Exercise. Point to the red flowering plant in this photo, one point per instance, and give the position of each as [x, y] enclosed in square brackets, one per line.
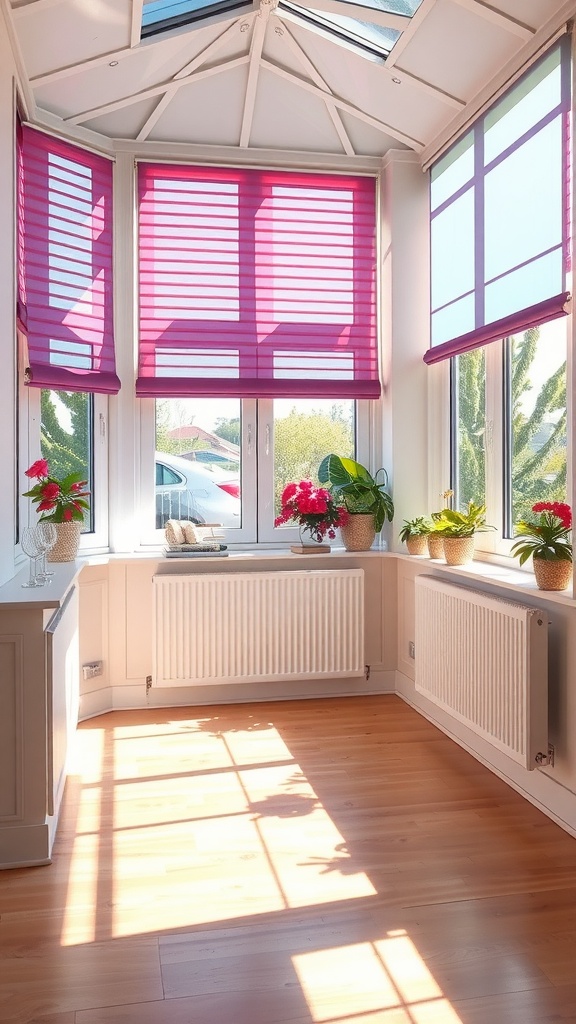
[312, 507]
[59, 501]
[547, 536]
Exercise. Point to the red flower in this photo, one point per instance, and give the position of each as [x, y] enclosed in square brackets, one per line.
[556, 508]
[45, 506]
[67, 515]
[37, 469]
[50, 491]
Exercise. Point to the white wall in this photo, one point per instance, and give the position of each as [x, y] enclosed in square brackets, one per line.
[10, 486]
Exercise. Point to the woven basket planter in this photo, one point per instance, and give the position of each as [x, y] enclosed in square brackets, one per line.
[435, 545]
[66, 546]
[458, 550]
[358, 534]
[552, 575]
[417, 545]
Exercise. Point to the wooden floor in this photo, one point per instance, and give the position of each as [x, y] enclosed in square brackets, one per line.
[315, 862]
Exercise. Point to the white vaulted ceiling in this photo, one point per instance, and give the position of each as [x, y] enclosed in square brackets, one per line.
[257, 79]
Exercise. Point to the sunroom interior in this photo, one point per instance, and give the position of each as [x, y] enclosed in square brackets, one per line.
[454, 118]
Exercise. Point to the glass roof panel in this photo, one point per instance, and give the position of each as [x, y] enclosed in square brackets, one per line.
[406, 7]
[372, 39]
[164, 14]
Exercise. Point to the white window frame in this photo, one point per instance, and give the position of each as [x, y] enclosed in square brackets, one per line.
[257, 462]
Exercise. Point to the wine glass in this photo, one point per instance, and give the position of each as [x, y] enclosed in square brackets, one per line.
[46, 536]
[30, 547]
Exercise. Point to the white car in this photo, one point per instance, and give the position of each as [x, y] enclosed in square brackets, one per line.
[186, 490]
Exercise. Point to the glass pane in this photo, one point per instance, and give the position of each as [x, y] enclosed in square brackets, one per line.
[538, 416]
[453, 320]
[523, 107]
[198, 461]
[304, 432]
[522, 288]
[405, 7]
[452, 246]
[452, 172]
[469, 417]
[66, 439]
[376, 36]
[523, 204]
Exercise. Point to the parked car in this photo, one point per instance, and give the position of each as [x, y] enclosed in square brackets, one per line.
[186, 490]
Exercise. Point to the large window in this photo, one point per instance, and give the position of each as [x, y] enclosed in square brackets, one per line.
[227, 461]
[509, 427]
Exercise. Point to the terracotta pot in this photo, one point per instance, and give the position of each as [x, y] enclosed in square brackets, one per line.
[458, 550]
[554, 575]
[66, 546]
[417, 545]
[359, 532]
[435, 545]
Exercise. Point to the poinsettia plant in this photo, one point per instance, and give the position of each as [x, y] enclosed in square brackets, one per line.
[547, 535]
[59, 501]
[311, 506]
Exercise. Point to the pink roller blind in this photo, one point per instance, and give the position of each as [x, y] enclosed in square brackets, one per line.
[65, 264]
[256, 283]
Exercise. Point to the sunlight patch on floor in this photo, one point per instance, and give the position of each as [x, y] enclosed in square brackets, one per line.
[386, 982]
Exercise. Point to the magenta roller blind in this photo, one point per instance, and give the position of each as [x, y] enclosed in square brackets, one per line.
[256, 283]
[65, 264]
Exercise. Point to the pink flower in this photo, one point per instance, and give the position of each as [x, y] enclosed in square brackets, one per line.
[37, 469]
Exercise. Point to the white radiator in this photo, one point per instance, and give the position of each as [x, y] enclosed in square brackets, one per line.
[485, 661]
[257, 626]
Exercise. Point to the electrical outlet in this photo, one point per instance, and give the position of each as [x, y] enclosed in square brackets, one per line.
[91, 669]
[411, 649]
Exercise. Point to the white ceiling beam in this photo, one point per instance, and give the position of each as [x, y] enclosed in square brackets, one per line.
[79, 67]
[400, 22]
[239, 25]
[156, 90]
[429, 89]
[156, 114]
[505, 21]
[256, 46]
[136, 22]
[344, 105]
[32, 6]
[415, 23]
[312, 71]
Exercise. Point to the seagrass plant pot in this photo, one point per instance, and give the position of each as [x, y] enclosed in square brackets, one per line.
[552, 575]
[417, 545]
[458, 550]
[435, 545]
[67, 542]
[359, 532]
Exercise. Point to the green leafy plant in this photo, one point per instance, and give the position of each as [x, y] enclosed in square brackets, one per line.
[359, 491]
[419, 527]
[452, 523]
[547, 536]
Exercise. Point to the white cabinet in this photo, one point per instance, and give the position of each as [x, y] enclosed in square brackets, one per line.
[39, 669]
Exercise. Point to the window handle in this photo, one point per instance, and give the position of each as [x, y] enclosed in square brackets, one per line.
[249, 438]
[267, 439]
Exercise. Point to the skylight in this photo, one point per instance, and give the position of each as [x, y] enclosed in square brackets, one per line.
[373, 37]
[161, 15]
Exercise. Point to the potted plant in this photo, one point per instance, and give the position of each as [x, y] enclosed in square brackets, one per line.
[414, 534]
[547, 539]
[314, 509]
[457, 530]
[365, 497]
[62, 502]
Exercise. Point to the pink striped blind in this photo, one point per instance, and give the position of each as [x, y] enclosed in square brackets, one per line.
[65, 264]
[256, 283]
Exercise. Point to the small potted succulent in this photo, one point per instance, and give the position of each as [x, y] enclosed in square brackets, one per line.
[457, 530]
[546, 538]
[414, 534]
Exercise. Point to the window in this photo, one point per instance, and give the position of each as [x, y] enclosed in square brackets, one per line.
[258, 338]
[228, 461]
[509, 427]
[500, 261]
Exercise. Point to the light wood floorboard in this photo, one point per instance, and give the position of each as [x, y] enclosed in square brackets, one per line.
[333, 861]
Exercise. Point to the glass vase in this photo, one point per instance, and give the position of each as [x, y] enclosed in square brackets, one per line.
[310, 537]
